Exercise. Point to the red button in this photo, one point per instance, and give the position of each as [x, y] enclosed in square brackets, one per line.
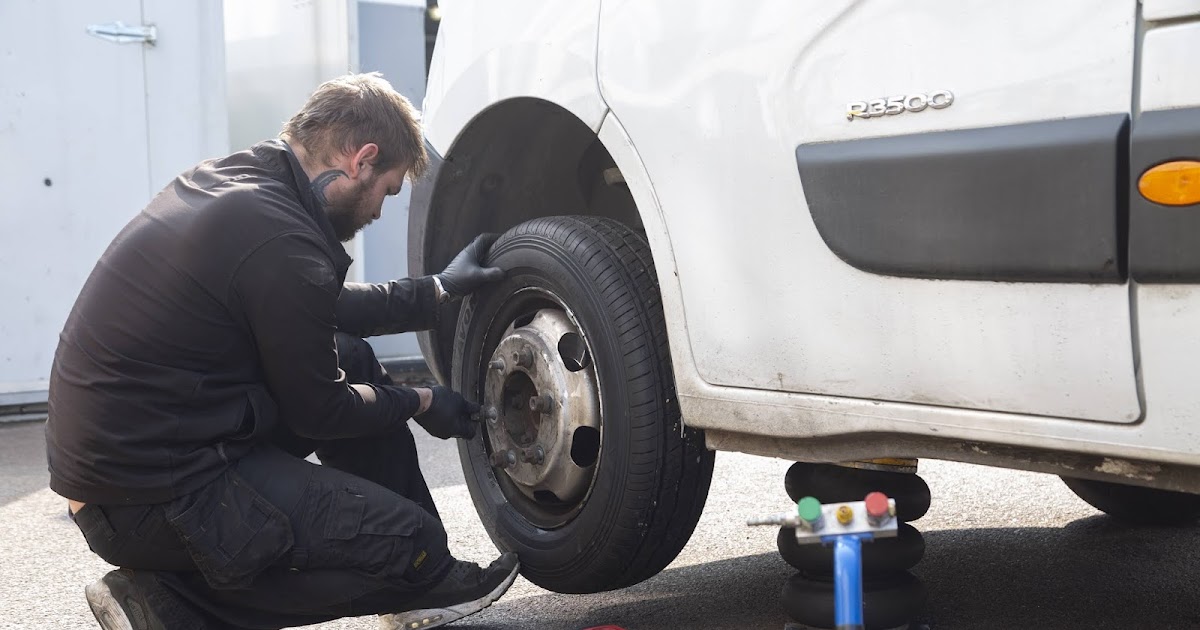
[877, 505]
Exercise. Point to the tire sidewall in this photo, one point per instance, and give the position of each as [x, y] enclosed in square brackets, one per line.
[535, 260]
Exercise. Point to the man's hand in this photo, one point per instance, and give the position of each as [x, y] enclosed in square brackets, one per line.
[448, 415]
[466, 273]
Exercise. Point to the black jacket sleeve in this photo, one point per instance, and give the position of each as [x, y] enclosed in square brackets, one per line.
[287, 290]
[398, 306]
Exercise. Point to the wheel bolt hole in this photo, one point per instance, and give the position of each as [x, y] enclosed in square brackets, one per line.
[573, 352]
[585, 446]
[524, 320]
[545, 497]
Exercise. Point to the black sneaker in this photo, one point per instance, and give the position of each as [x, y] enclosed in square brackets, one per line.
[120, 604]
[466, 590]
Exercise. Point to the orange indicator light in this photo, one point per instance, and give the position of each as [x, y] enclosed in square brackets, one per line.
[1172, 184]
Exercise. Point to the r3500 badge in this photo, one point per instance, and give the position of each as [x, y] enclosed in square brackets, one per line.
[893, 105]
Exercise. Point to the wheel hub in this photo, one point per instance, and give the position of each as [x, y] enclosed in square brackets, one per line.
[543, 409]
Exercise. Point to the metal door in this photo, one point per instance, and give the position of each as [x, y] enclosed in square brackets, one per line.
[91, 125]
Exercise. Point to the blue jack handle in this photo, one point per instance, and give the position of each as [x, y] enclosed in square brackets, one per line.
[847, 581]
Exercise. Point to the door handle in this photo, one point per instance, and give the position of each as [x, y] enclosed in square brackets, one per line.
[120, 33]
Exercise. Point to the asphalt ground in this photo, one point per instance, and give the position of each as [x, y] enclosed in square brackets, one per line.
[1005, 550]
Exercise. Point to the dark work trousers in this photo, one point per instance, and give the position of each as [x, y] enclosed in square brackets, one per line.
[357, 535]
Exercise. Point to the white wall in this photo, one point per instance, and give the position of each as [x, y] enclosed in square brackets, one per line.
[89, 130]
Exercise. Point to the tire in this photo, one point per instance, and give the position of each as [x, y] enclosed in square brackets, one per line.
[618, 509]
[1136, 504]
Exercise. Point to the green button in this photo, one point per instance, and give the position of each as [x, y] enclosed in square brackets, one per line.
[809, 509]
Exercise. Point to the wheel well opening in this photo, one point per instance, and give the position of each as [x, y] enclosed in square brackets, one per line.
[521, 159]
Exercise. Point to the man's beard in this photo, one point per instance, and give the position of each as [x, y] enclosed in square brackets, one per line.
[344, 213]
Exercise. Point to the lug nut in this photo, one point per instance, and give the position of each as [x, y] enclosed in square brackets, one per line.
[504, 459]
[533, 455]
[497, 364]
[492, 415]
[543, 403]
[523, 358]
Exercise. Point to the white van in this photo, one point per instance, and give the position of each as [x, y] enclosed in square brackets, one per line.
[824, 231]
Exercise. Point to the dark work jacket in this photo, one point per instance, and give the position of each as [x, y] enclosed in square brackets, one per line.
[209, 320]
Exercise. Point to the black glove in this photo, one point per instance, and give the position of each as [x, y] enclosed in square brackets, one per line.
[465, 273]
[449, 415]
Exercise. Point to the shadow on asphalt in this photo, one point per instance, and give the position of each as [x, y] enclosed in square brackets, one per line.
[723, 594]
[1093, 573]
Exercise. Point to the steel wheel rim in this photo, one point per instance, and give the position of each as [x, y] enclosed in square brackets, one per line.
[543, 430]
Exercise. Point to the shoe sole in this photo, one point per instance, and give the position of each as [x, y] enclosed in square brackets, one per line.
[425, 618]
[105, 608]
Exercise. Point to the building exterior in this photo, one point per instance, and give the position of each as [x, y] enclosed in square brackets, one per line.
[105, 101]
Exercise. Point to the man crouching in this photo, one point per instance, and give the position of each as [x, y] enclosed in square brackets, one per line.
[215, 345]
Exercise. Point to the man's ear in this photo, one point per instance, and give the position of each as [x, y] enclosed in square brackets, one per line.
[363, 158]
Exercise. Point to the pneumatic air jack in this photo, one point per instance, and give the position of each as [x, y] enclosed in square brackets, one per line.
[845, 526]
[892, 596]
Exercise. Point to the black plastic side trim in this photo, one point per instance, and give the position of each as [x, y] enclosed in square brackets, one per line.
[1035, 202]
[1164, 241]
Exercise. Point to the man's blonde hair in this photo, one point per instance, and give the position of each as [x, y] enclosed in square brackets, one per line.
[356, 109]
